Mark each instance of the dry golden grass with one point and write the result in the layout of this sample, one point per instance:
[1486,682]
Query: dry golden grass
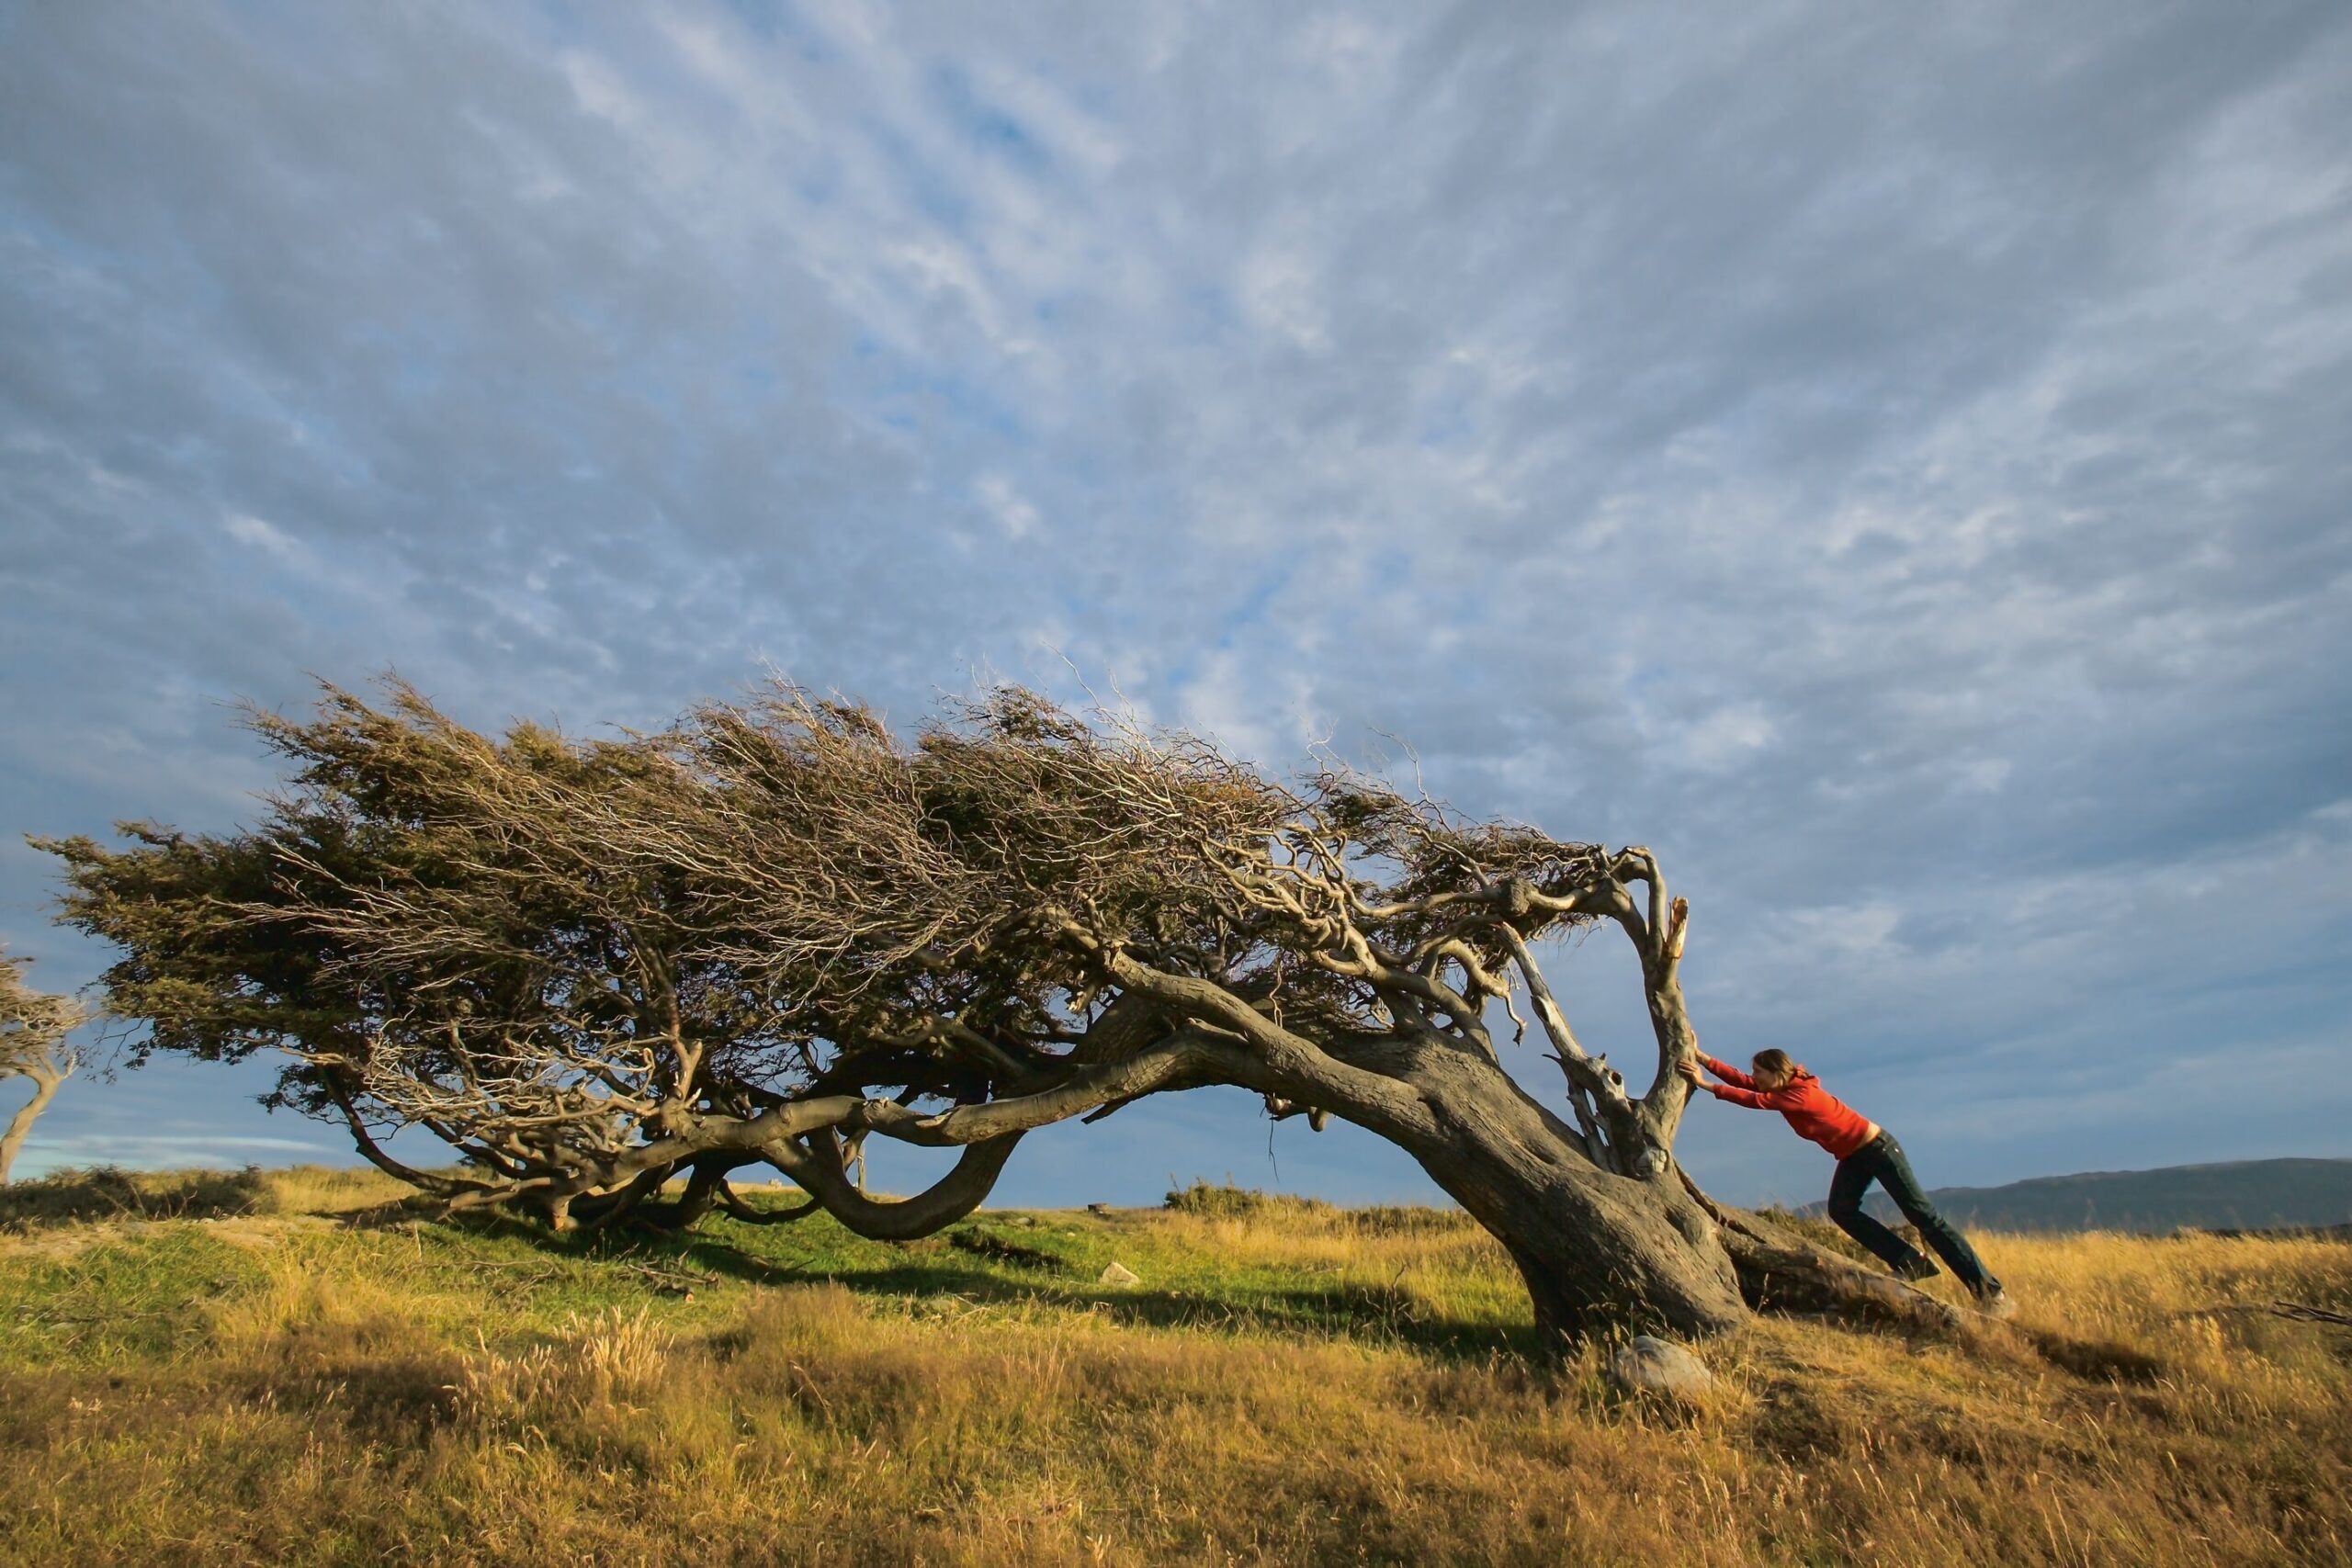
[1291,1385]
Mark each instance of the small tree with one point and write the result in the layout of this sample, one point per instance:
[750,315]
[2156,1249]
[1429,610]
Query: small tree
[774,931]
[33,1026]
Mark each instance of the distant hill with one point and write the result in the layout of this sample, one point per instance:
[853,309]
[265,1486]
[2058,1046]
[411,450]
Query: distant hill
[2255,1194]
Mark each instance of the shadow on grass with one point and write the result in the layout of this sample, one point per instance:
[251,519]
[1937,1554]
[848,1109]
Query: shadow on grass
[944,1268]
[105,1192]
[1373,1313]
[669,1258]
[2097,1360]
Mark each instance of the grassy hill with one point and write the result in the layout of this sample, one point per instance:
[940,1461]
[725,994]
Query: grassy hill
[2257,1194]
[286,1367]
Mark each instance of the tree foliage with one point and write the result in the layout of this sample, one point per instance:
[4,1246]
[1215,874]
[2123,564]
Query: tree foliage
[777,929]
[559,954]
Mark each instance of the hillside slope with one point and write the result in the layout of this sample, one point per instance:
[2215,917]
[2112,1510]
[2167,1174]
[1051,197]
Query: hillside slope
[286,1368]
[2260,1194]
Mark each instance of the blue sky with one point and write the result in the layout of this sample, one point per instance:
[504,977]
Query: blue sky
[1891,462]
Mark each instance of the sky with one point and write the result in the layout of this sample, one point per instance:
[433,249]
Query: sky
[1892,462]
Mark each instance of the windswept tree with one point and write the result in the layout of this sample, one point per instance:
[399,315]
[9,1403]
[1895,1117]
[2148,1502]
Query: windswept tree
[775,931]
[33,1029]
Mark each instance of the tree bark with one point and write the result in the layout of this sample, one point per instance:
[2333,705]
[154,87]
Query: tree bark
[1593,1246]
[1603,1250]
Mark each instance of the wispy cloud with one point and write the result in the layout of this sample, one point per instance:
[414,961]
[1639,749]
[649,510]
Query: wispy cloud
[1892,464]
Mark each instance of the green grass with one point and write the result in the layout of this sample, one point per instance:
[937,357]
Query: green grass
[293,1367]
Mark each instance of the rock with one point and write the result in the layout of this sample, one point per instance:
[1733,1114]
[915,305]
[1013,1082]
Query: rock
[1101,1211]
[1120,1276]
[1645,1362]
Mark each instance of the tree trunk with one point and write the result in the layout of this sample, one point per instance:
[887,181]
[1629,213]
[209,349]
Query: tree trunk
[45,1087]
[1595,1248]
[1599,1250]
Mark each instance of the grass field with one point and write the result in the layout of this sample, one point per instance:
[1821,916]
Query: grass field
[282,1367]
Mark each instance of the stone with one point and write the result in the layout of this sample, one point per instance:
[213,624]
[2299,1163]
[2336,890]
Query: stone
[1647,1364]
[1121,1277]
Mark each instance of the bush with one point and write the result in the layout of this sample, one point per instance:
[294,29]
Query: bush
[1392,1219]
[109,1192]
[1229,1201]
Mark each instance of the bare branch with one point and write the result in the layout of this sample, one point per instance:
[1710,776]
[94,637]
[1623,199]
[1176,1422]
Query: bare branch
[33,1029]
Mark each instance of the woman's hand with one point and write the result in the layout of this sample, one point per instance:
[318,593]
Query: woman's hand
[1689,1071]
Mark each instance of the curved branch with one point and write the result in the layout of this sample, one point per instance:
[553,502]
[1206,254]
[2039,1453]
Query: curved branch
[423,1182]
[736,1209]
[628,1200]
[1269,1058]
[1636,863]
[1659,940]
[1185,1060]
[1588,1078]
[816,1164]
[602,1176]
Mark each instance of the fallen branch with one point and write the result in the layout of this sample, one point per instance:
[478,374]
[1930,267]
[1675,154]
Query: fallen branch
[665,1276]
[2302,1313]
[1779,1272]
[2296,1311]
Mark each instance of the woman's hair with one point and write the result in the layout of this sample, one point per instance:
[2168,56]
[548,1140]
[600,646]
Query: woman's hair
[1776,1063]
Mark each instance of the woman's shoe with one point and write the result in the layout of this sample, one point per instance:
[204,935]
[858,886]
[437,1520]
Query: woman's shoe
[1920,1267]
[1997,1303]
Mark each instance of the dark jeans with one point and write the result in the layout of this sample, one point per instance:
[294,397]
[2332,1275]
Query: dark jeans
[1881,1160]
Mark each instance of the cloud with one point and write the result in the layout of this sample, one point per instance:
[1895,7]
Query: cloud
[1014,515]
[260,535]
[1892,465]
[166,1152]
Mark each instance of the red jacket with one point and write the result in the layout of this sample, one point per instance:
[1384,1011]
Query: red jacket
[1810,1110]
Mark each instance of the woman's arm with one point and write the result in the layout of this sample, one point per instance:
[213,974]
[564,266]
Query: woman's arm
[1728,1073]
[1754,1098]
[1739,1092]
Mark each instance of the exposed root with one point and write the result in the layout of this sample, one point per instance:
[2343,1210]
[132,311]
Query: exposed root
[1781,1272]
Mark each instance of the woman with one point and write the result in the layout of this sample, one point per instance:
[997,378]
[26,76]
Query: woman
[1866,1152]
